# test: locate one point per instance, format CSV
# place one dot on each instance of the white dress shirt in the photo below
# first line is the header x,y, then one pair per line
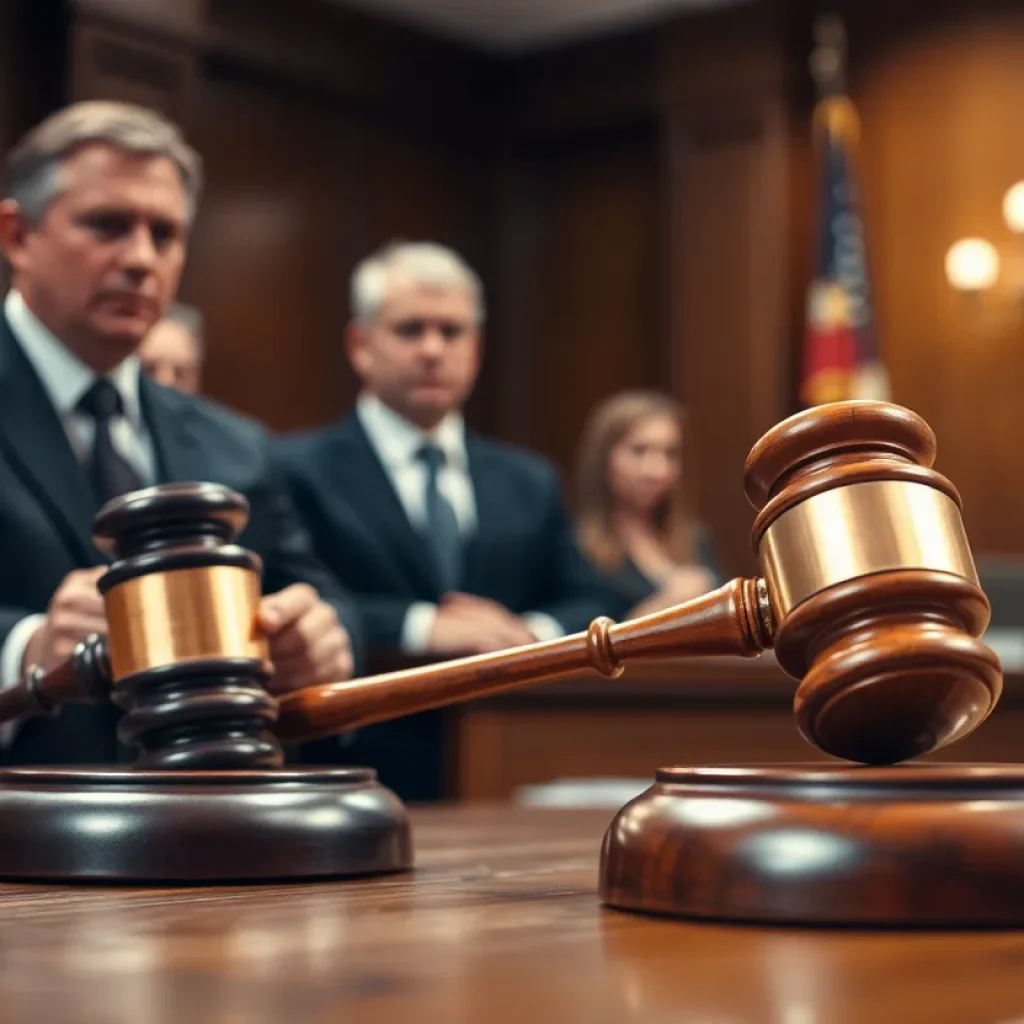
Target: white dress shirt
x,y
65,379
396,442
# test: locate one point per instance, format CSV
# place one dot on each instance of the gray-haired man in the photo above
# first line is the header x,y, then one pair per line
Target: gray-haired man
x,y
94,222
453,543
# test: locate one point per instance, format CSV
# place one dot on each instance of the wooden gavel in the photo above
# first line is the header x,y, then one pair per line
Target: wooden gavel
x,y
868,594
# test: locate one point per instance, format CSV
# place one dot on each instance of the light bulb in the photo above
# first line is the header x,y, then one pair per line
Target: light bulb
x,y
972,265
1013,208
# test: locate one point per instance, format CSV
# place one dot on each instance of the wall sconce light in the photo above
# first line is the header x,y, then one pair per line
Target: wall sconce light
x,y
972,265
1013,208
974,268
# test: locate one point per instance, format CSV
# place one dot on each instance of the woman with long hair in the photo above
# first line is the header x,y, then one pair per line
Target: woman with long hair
x,y
632,516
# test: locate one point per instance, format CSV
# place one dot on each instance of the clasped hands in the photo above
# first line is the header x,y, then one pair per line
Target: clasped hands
x,y
467,624
308,645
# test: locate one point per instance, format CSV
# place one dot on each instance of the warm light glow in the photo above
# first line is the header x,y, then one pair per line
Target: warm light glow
x,y
972,264
1013,208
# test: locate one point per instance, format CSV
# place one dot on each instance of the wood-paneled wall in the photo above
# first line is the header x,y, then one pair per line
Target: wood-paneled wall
x,y
640,208
727,93
581,289
940,92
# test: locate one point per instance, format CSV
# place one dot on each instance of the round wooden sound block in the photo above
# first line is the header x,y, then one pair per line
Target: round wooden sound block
x,y
126,825
924,845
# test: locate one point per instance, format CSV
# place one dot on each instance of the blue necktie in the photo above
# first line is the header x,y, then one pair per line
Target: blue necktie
x,y
442,525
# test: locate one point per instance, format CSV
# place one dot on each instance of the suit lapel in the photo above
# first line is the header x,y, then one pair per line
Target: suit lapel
x,y
375,501
488,493
169,420
34,439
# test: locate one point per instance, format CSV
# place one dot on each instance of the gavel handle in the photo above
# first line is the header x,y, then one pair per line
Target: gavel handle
x,y
734,620
83,678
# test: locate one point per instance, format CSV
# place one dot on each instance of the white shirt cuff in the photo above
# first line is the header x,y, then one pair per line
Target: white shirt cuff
x,y
542,626
10,664
418,625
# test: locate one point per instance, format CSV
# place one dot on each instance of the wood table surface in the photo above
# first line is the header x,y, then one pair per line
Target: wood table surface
x,y
499,924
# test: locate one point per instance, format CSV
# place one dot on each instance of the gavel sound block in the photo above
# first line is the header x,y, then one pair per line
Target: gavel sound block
x,y
868,595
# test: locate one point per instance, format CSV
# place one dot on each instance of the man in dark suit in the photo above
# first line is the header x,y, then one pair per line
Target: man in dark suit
x,y
94,222
454,544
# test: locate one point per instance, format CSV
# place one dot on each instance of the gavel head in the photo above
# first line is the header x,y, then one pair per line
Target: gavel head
x,y
184,656
875,599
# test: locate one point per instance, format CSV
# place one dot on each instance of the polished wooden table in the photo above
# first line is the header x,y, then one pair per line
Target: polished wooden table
x,y
500,924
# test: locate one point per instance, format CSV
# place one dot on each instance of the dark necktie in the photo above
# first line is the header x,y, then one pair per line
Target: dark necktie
x,y
442,525
110,475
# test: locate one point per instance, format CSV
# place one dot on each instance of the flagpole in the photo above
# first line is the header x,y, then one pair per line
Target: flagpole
x,y
833,110
828,58
841,358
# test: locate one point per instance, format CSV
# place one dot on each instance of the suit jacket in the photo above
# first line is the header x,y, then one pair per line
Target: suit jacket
x,y
47,509
522,554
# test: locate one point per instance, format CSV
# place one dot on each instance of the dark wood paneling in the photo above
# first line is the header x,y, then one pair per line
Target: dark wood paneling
x,y
580,299
592,85
268,252
110,62
730,327
176,18
34,47
578,267
423,85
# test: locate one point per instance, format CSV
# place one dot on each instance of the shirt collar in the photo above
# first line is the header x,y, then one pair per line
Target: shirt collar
x,y
63,375
397,441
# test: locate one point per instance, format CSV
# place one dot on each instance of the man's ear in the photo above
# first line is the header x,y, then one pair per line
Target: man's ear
x,y
355,347
14,231
478,352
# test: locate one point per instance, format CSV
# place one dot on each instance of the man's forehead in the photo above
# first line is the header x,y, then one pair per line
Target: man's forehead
x,y
99,170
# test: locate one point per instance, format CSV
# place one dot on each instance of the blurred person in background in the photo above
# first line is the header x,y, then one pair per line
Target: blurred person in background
x,y
454,543
172,351
632,516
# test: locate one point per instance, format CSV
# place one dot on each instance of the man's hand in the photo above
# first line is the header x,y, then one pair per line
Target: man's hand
x,y
308,645
75,610
467,624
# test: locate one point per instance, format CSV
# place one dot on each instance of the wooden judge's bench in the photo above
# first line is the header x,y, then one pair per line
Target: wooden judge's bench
x,y
693,711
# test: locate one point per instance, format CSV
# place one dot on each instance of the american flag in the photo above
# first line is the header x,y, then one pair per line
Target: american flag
x,y
841,357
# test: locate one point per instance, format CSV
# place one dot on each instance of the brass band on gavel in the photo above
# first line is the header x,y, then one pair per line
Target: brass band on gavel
x,y
180,615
